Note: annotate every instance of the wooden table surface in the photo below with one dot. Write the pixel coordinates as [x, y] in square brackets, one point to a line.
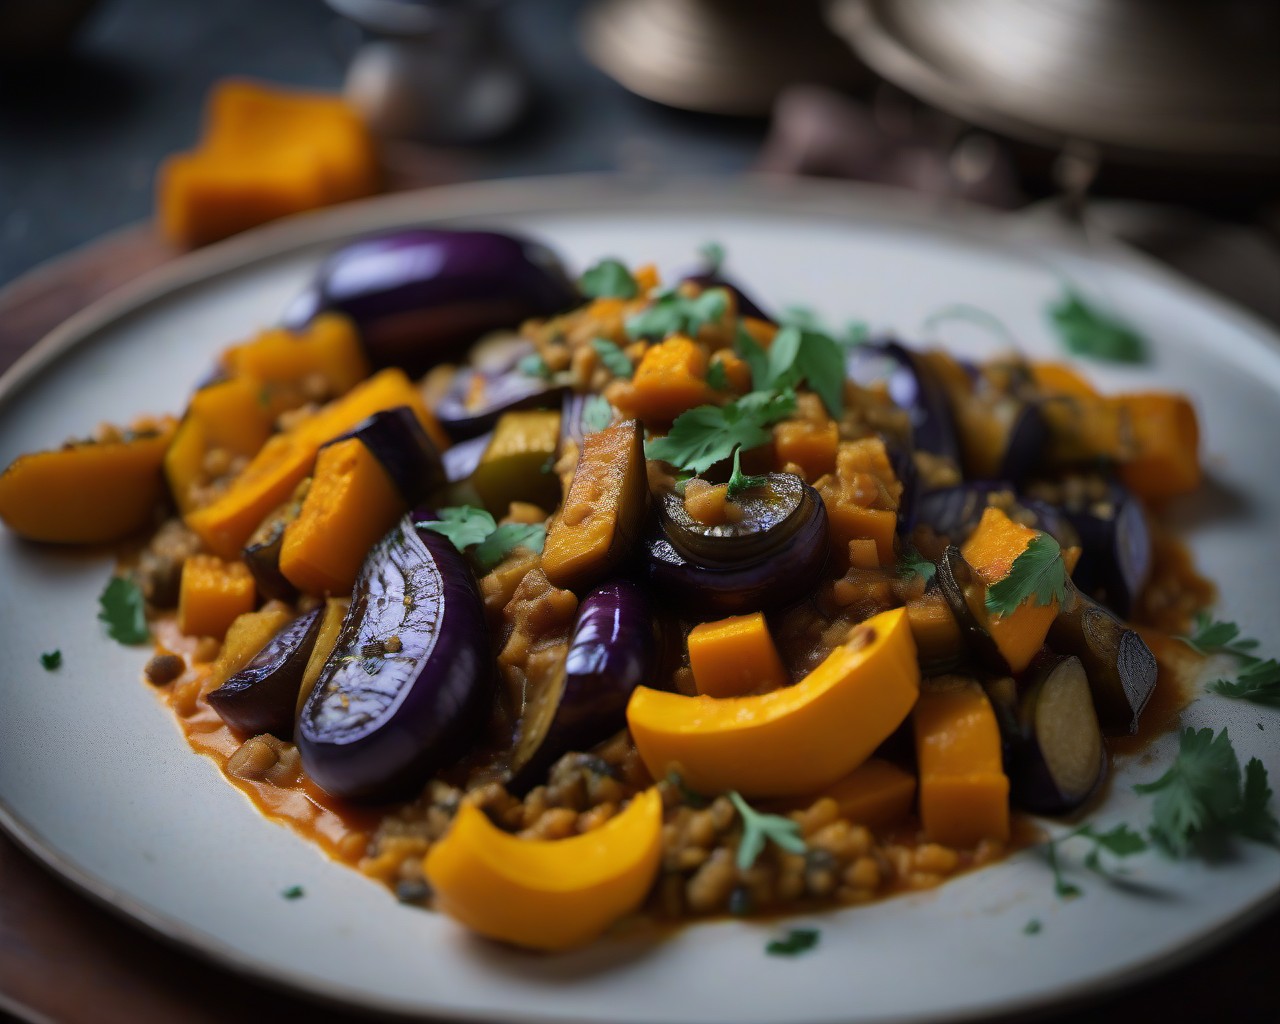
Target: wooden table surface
[64, 958]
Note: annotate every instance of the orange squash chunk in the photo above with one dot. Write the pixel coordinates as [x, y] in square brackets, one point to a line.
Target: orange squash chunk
[1166, 441]
[861, 498]
[328, 346]
[670, 379]
[351, 503]
[87, 492]
[811, 446]
[735, 656]
[877, 794]
[964, 793]
[213, 594]
[228, 414]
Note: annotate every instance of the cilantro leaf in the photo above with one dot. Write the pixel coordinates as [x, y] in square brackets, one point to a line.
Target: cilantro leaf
[1087, 331]
[796, 941]
[294, 892]
[533, 365]
[673, 313]
[740, 481]
[462, 526]
[794, 355]
[1212, 636]
[1259, 682]
[614, 359]
[821, 364]
[1037, 574]
[494, 548]
[915, 564]
[1032, 927]
[687, 795]
[717, 377]
[754, 355]
[51, 660]
[608, 279]
[707, 434]
[712, 254]
[1199, 799]
[1120, 841]
[123, 609]
[597, 414]
[757, 828]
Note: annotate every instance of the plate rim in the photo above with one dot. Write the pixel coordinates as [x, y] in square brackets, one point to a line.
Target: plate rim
[576, 193]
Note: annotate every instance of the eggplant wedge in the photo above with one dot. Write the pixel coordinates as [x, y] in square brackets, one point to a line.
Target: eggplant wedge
[263, 695]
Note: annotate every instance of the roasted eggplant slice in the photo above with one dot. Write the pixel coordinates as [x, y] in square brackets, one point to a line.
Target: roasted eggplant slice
[962, 589]
[400, 444]
[262, 551]
[1056, 757]
[1121, 668]
[263, 695]
[912, 387]
[409, 678]
[1115, 558]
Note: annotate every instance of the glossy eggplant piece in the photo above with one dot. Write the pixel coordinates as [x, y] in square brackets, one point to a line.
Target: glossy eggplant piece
[714, 279]
[417, 295]
[263, 695]
[1115, 557]
[611, 652]
[491, 385]
[410, 676]
[400, 444]
[1121, 668]
[954, 511]
[771, 516]
[1026, 438]
[771, 574]
[1056, 758]
[903, 462]
[262, 551]
[960, 586]
[461, 459]
[912, 387]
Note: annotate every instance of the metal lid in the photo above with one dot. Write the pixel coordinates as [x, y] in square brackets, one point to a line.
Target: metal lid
[1147, 81]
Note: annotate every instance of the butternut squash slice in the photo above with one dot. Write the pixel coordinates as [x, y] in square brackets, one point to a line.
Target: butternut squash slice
[228, 415]
[794, 740]
[735, 656]
[671, 378]
[964, 792]
[516, 464]
[328, 347]
[87, 492]
[213, 594]
[546, 894]
[1166, 441]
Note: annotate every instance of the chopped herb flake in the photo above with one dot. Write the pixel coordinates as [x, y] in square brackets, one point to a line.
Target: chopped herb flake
[124, 611]
[758, 827]
[608, 279]
[797, 355]
[796, 941]
[717, 377]
[915, 564]
[597, 414]
[1259, 683]
[294, 892]
[673, 313]
[533, 365]
[614, 359]
[1038, 574]
[494, 548]
[1032, 927]
[712, 254]
[51, 660]
[1087, 331]
[1212, 636]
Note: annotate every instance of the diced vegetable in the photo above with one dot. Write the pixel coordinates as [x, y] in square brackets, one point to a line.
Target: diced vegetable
[247, 635]
[789, 741]
[262, 696]
[516, 465]
[262, 551]
[964, 793]
[546, 894]
[811, 446]
[671, 378]
[861, 499]
[229, 416]
[87, 492]
[212, 595]
[734, 657]
[600, 522]
[326, 352]
[1166, 441]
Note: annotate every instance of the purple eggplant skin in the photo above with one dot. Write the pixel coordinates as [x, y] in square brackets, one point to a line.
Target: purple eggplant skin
[707, 279]
[401, 446]
[263, 696]
[1115, 555]
[955, 511]
[913, 388]
[410, 676]
[782, 575]
[420, 294]
[1025, 446]
[1121, 668]
[508, 391]
[959, 585]
[461, 459]
[611, 652]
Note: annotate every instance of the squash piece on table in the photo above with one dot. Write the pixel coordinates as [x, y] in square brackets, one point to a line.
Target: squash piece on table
[964, 792]
[352, 502]
[735, 656]
[546, 894]
[516, 464]
[87, 492]
[212, 595]
[789, 741]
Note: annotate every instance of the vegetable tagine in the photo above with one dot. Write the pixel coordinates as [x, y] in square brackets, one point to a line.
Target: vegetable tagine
[546, 602]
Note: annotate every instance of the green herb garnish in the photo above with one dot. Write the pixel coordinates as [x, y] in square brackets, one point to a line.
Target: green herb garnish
[707, 434]
[465, 526]
[1214, 637]
[1200, 802]
[597, 414]
[614, 359]
[796, 941]
[1037, 574]
[124, 611]
[757, 828]
[1032, 927]
[797, 355]
[533, 365]
[1259, 682]
[608, 279]
[1087, 331]
[672, 313]
[740, 481]
[51, 660]
[913, 563]
[717, 377]
[1120, 841]
[687, 795]
[294, 892]
[712, 254]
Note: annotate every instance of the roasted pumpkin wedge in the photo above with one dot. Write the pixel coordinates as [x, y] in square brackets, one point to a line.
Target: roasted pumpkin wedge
[794, 740]
[546, 894]
[87, 492]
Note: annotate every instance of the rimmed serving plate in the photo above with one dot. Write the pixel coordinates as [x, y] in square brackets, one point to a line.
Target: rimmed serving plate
[97, 781]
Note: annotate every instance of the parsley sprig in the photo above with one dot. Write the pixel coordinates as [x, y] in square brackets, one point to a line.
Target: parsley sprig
[740, 481]
[1087, 331]
[1258, 683]
[1120, 841]
[717, 377]
[673, 313]
[707, 434]
[613, 358]
[597, 414]
[1212, 636]
[913, 563]
[122, 608]
[796, 355]
[51, 660]
[1037, 574]
[757, 828]
[467, 527]
[533, 365]
[608, 279]
[1258, 680]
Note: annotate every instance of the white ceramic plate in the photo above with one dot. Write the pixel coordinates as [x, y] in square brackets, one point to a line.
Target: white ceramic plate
[96, 779]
